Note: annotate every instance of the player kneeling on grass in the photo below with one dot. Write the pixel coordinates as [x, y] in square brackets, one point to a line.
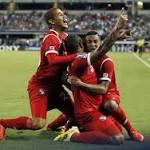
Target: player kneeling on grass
[94, 126]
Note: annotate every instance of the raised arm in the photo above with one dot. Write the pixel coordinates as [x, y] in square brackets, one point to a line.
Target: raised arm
[116, 34]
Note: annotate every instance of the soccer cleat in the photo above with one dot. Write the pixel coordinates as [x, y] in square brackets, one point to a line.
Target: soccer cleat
[65, 136]
[135, 135]
[2, 132]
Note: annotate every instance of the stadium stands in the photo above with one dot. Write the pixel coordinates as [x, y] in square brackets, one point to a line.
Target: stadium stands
[27, 22]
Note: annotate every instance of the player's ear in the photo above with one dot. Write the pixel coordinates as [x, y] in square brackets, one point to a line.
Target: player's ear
[51, 21]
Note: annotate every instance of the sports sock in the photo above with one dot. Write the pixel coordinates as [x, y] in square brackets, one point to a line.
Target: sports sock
[121, 117]
[59, 121]
[17, 123]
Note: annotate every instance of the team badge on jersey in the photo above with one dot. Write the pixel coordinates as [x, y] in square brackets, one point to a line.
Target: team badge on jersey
[105, 75]
[52, 48]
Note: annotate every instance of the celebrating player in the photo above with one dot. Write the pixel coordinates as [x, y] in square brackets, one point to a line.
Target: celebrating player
[107, 86]
[95, 127]
[45, 87]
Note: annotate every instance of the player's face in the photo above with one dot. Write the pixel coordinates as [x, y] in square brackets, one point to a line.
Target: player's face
[60, 20]
[92, 42]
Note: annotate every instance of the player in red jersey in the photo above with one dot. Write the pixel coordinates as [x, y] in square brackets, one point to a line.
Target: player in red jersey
[45, 87]
[105, 71]
[94, 126]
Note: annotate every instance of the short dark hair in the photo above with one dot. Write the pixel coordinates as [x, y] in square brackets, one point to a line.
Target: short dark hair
[92, 32]
[50, 14]
[72, 43]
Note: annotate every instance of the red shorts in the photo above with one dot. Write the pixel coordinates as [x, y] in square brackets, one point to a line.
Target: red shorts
[43, 99]
[101, 123]
[111, 96]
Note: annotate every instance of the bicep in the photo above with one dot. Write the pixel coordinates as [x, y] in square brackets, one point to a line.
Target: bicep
[52, 45]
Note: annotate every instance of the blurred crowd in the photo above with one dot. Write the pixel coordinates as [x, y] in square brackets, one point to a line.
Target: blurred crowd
[102, 22]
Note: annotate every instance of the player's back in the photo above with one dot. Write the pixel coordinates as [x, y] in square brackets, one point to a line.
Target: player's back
[47, 73]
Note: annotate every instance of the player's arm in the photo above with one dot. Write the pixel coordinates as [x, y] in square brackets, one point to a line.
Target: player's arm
[117, 33]
[54, 59]
[64, 79]
[95, 89]
[107, 71]
[52, 46]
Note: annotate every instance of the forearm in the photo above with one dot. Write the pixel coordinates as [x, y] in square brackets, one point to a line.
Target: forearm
[54, 59]
[92, 88]
[103, 49]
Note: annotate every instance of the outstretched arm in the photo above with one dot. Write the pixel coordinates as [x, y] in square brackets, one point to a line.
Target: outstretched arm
[116, 33]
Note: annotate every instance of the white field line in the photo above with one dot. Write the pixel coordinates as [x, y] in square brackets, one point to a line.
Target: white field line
[142, 61]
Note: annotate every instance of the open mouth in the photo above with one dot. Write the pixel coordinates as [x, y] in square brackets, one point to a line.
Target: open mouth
[65, 20]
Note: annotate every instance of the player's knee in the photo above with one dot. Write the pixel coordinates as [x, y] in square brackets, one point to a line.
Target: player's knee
[38, 123]
[110, 105]
[117, 139]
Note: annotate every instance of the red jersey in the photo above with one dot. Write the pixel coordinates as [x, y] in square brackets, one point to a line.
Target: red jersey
[46, 73]
[84, 102]
[105, 71]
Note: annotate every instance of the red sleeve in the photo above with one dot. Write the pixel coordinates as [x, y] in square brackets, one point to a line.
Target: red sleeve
[52, 44]
[107, 70]
[77, 66]
[54, 59]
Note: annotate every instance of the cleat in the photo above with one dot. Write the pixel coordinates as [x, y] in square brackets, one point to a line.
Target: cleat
[135, 135]
[2, 132]
[65, 136]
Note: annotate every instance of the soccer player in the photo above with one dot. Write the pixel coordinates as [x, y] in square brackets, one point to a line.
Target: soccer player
[56, 123]
[107, 86]
[94, 126]
[45, 87]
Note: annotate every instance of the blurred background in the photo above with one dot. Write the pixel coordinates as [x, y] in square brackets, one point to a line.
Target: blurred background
[22, 24]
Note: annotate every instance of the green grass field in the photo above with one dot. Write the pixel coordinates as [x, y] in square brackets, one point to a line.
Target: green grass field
[17, 67]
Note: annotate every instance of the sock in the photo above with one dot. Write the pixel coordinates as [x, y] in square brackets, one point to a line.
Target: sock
[91, 137]
[59, 121]
[121, 117]
[17, 123]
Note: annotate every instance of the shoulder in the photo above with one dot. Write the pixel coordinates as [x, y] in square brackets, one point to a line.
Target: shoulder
[52, 36]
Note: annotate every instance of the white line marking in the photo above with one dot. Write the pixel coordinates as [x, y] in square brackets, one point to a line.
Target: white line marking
[142, 61]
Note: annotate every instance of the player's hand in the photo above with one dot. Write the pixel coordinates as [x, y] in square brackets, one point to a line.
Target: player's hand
[123, 34]
[74, 80]
[122, 20]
